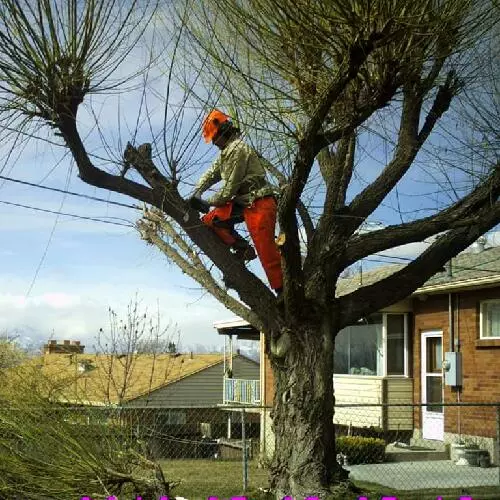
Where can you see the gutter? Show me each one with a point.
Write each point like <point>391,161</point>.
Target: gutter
<point>443,287</point>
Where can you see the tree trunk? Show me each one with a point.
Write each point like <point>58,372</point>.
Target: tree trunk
<point>305,458</point>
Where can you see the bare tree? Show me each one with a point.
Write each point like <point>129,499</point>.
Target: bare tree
<point>311,82</point>
<point>134,349</point>
<point>74,415</point>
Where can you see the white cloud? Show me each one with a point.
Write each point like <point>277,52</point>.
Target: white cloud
<point>412,250</point>
<point>49,300</point>
<point>77,315</point>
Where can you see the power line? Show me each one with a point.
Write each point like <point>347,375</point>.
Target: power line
<point>72,193</point>
<point>83,217</point>
<point>49,241</point>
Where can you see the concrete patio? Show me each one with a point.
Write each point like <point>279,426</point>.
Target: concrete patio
<point>425,475</point>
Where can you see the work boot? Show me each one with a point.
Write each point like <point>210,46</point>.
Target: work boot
<point>243,250</point>
<point>245,254</point>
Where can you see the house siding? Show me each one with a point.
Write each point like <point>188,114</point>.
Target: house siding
<point>204,388</point>
<point>481,376</point>
<point>358,390</point>
<point>399,391</point>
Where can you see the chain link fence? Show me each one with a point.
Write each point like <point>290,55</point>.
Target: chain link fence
<point>396,449</point>
<point>422,450</point>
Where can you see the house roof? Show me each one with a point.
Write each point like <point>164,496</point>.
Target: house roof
<point>468,269</point>
<point>105,379</point>
<point>238,327</point>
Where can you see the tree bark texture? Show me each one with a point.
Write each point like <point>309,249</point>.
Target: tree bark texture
<point>305,458</point>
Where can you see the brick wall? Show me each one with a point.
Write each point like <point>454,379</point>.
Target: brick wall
<point>481,369</point>
<point>481,361</point>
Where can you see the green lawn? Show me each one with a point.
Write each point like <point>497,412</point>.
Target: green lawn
<point>224,479</point>
<point>200,479</point>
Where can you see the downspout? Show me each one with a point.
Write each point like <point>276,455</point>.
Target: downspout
<point>263,411</point>
<point>451,331</point>
<point>224,372</point>
<point>451,325</point>
<point>231,354</point>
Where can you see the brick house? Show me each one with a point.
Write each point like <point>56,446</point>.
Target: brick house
<point>398,356</point>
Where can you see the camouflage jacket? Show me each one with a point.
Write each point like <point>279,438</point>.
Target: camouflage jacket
<point>243,172</point>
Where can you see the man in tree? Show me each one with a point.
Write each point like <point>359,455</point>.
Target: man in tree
<point>246,195</point>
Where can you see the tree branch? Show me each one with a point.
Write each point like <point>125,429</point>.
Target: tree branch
<point>141,159</point>
<point>410,141</point>
<point>308,144</point>
<point>318,278</point>
<point>401,284</point>
<point>361,114</point>
<point>463,213</point>
<point>165,197</point>
<point>305,217</point>
<point>292,267</point>
<point>97,177</point>
<point>339,181</point>
<point>195,269</point>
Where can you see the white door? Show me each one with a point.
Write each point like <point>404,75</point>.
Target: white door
<point>432,386</point>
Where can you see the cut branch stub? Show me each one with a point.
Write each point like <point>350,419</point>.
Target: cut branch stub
<point>140,158</point>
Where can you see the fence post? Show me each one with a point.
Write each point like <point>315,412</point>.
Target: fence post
<point>498,443</point>
<point>244,451</point>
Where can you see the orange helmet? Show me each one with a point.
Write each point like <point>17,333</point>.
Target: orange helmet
<point>212,123</point>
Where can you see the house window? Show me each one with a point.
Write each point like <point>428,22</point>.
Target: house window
<point>359,349</point>
<point>396,348</point>
<point>375,346</point>
<point>490,319</point>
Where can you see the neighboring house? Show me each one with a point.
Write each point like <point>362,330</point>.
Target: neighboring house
<point>245,392</point>
<point>174,401</point>
<point>162,380</point>
<point>181,393</point>
<point>396,356</point>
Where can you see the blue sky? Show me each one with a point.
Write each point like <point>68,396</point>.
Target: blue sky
<point>84,266</point>
<point>87,268</point>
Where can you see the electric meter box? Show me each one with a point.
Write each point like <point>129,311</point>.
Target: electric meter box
<point>452,368</point>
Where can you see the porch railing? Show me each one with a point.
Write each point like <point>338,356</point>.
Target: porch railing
<point>238,390</point>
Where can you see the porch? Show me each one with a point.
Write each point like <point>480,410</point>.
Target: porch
<point>238,391</point>
<point>241,391</point>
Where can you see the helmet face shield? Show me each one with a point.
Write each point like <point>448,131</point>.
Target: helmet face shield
<point>225,129</point>
<point>212,123</point>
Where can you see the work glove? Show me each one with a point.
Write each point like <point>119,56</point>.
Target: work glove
<point>198,204</point>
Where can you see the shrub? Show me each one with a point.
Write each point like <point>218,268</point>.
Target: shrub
<point>361,450</point>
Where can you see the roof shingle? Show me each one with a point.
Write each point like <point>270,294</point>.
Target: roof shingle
<point>465,267</point>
